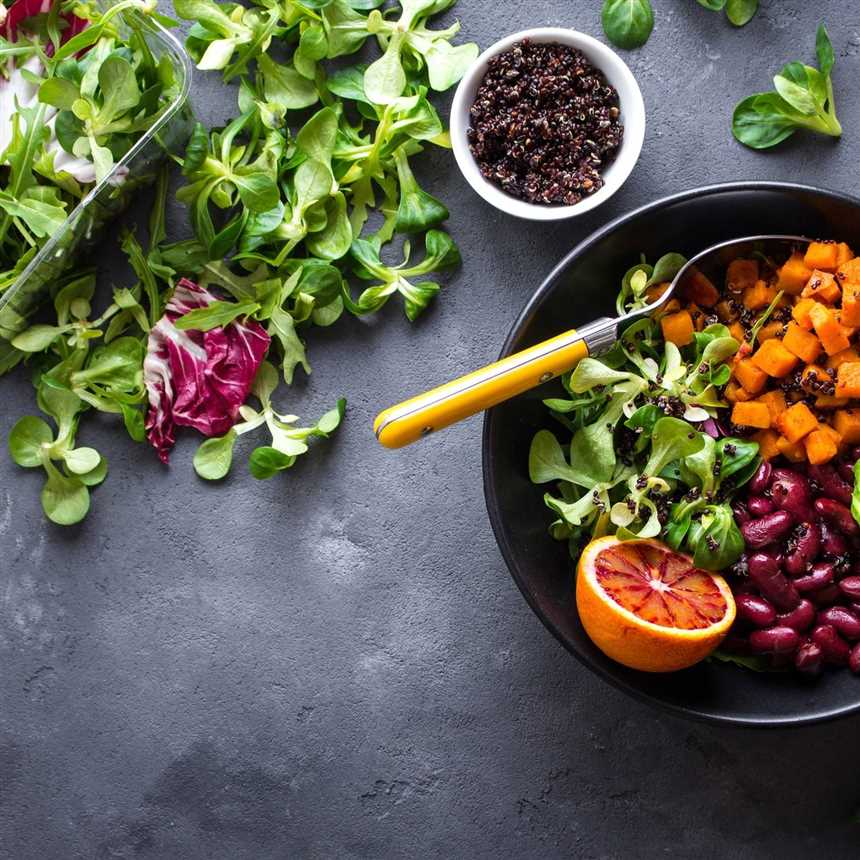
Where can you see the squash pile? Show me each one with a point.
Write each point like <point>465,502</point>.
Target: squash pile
<point>795,380</point>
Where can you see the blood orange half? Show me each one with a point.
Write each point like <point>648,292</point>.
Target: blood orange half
<point>649,607</point>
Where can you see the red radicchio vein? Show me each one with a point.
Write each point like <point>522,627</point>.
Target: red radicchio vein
<point>198,379</point>
<point>22,9</point>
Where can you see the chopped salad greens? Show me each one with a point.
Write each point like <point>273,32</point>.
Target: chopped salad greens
<point>291,204</point>
<point>638,459</point>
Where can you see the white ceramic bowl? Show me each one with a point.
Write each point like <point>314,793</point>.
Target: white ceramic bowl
<point>632,116</point>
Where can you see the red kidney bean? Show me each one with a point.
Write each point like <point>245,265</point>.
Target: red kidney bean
<point>826,596</point>
<point>755,609</point>
<point>832,542</point>
<point>742,515</point>
<point>808,658</point>
<point>800,618</point>
<point>759,506</point>
<point>774,585</point>
<point>806,545</point>
<point>820,575</point>
<point>846,622</point>
<point>790,492</point>
<point>760,481</point>
<point>846,471</point>
<point>850,587</point>
<point>854,659</point>
<point>837,515</point>
<point>767,529</point>
<point>834,649</point>
<point>774,640</point>
<point>831,483</point>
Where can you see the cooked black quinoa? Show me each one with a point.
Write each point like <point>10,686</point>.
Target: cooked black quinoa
<point>544,122</point>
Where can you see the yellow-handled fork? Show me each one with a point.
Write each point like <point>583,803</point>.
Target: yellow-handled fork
<point>408,421</point>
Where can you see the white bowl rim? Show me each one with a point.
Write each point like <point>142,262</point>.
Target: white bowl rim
<point>632,106</point>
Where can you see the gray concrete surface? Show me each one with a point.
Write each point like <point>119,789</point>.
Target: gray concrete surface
<point>336,663</point>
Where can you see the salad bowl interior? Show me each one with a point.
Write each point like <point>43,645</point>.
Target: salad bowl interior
<point>582,287</point>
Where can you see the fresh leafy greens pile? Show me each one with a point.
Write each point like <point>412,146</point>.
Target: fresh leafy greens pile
<point>290,203</point>
<point>636,463</point>
<point>82,103</point>
<point>628,23</point>
<point>803,99</point>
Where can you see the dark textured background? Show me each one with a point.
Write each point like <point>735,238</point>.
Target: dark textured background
<point>335,663</point>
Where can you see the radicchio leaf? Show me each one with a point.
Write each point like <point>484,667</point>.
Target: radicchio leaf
<point>20,10</point>
<point>198,379</point>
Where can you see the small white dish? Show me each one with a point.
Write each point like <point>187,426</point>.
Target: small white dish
<point>632,116</point>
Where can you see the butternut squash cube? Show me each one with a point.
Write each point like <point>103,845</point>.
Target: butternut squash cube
<point>793,275</point>
<point>751,414</point>
<point>822,255</point>
<point>848,379</point>
<point>758,296</point>
<point>678,328</point>
<point>767,443</point>
<point>752,378</point>
<point>792,451</point>
<point>849,354</point>
<point>823,287</point>
<point>805,345</point>
<point>800,312</point>
<point>774,359</point>
<point>847,424</point>
<point>820,447</point>
<point>796,422</point>
<point>775,402</point>
<point>828,329</point>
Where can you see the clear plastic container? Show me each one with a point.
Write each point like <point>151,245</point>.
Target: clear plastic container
<point>107,198</point>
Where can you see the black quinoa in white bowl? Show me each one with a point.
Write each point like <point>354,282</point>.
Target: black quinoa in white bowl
<point>547,124</point>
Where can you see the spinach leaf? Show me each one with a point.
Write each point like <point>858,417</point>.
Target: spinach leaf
<point>627,23</point>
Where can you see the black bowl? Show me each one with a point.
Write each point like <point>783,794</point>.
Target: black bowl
<point>582,287</point>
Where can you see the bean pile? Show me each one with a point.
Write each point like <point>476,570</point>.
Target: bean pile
<point>797,589</point>
<point>543,124</point>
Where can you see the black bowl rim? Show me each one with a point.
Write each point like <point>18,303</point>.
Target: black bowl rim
<point>492,502</point>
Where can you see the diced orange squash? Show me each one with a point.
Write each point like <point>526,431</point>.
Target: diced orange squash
<point>796,422</point>
<point>849,354</point>
<point>738,332</point>
<point>805,345</point>
<point>843,254</point>
<point>847,424</point>
<point>726,311</point>
<point>697,315</point>
<point>697,287</point>
<point>848,330</point>
<point>678,328</point>
<point>792,451</point>
<point>735,392</point>
<point>774,359</point>
<point>830,401</point>
<point>823,287</point>
<point>851,303</point>
<point>820,447</point>
<point>751,414</point>
<point>800,312</point>
<point>793,275</point>
<point>822,255</point>
<point>832,432</point>
<point>752,378</point>
<point>741,274</point>
<point>828,329</point>
<point>848,379</point>
<point>671,307</point>
<point>655,291</point>
<point>849,271</point>
<point>758,296</point>
<point>775,402</point>
<point>769,330</point>
<point>767,443</point>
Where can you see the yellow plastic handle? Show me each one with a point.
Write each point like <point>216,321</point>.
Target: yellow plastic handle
<point>409,421</point>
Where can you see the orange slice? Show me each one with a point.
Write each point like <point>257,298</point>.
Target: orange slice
<point>648,607</point>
